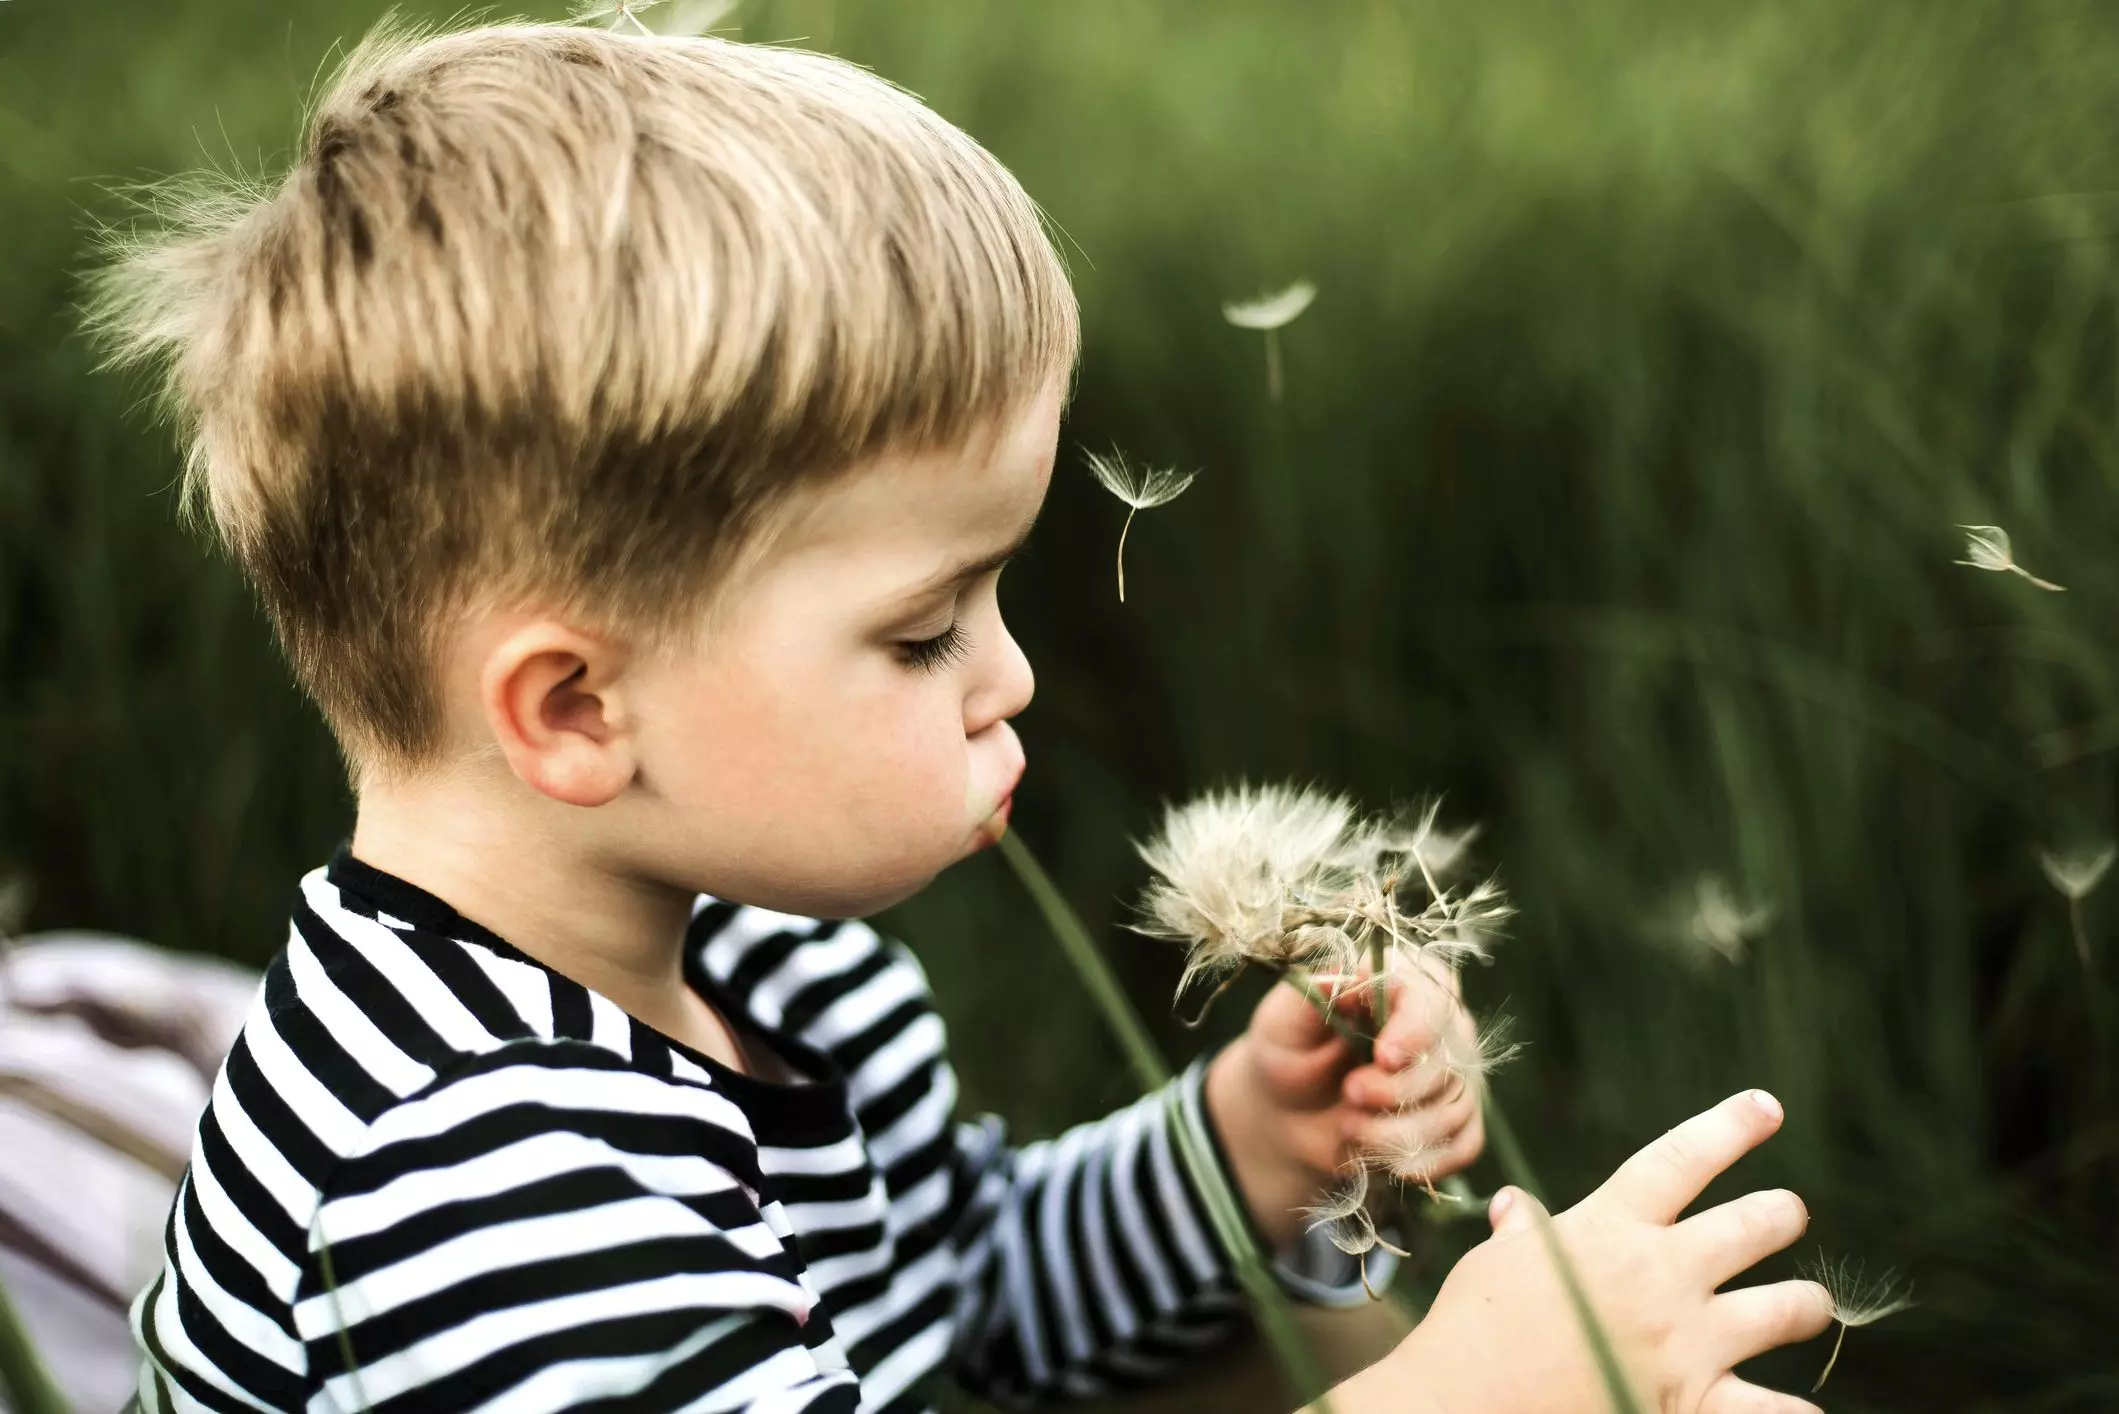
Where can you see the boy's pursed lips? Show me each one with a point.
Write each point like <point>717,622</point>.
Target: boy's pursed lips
<point>995,824</point>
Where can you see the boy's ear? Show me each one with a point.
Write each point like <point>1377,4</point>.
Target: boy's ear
<point>551,699</point>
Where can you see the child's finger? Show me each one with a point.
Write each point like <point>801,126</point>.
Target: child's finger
<point>1425,1014</point>
<point>1730,1395</point>
<point>1379,1087</point>
<point>1743,1232</point>
<point>1412,1031</point>
<point>1513,1210</point>
<point>1285,1018</point>
<point>1423,1144</point>
<point>1661,1180</point>
<point>1752,1320</point>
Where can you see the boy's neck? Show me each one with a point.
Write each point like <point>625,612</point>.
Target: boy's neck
<point>514,872</point>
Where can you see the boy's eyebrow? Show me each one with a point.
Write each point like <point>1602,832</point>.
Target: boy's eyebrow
<point>972,569</point>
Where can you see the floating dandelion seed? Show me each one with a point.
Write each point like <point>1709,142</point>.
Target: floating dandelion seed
<point>1492,1046</point>
<point>1272,311</point>
<point>1857,1300</point>
<point>683,18</point>
<point>1706,922</point>
<point>1268,314</point>
<point>1141,489</point>
<point>1349,1225</point>
<point>1720,924</point>
<point>2076,873</point>
<point>1987,548</point>
<point>1409,1160</point>
<point>615,13</point>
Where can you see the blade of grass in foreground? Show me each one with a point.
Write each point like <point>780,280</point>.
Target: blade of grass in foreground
<point>27,1382</point>
<point>1224,1208</point>
<point>1516,1165</point>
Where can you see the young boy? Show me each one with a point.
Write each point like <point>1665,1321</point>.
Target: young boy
<point>625,436</point>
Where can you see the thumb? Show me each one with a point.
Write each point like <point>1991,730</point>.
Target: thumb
<point>1285,1018</point>
<point>1513,1210</point>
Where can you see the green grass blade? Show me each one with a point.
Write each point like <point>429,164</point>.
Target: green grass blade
<point>23,1375</point>
<point>1269,1304</point>
<point>1516,1164</point>
<point>1149,1067</point>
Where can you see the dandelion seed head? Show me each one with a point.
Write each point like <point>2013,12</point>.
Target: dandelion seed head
<point>1987,547</point>
<point>1281,877</point>
<point>1227,864</point>
<point>2077,872</point>
<point>1275,310</point>
<point>1410,838</point>
<point>1142,488</point>
<point>1857,1298</point>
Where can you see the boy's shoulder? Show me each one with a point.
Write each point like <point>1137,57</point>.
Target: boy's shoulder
<point>411,1099</point>
<point>823,983</point>
<point>389,982</point>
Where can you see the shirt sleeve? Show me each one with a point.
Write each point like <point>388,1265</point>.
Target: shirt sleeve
<point>1089,1264</point>
<point>549,1230</point>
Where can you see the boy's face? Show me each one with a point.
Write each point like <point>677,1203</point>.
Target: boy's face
<point>842,734</point>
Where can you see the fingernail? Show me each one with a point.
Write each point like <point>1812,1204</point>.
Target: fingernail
<point>1390,1057</point>
<point>1766,1102</point>
<point>1503,1201</point>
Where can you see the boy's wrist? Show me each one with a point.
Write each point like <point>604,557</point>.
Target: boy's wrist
<point>1406,1381</point>
<point>1274,1184</point>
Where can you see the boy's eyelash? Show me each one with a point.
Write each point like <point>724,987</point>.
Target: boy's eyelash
<point>934,654</point>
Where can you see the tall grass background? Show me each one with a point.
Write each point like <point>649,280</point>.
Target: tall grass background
<point>1660,350</point>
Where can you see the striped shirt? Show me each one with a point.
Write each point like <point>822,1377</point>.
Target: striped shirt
<point>436,1175</point>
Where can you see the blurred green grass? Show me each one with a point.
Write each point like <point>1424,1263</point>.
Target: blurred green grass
<point>1660,350</point>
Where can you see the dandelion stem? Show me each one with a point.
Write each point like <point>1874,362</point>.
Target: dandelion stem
<point>23,1375</point>
<point>1307,986</point>
<point>1517,1166</point>
<point>2081,932</point>
<point>1131,511</point>
<point>1199,1019</point>
<point>1380,995</point>
<point>1225,1210</point>
<point>2041,583</point>
<point>1840,1340</point>
<point>1273,364</point>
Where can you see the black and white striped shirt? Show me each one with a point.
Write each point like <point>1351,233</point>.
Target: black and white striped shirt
<point>436,1175</point>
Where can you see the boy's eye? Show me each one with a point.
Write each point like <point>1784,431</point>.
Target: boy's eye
<point>934,654</point>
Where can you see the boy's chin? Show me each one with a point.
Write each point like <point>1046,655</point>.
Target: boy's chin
<point>870,898</point>
<point>883,884</point>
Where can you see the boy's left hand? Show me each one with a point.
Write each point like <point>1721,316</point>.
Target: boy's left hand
<point>1293,1104</point>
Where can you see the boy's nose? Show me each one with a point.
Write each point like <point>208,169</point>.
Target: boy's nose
<point>1005,692</point>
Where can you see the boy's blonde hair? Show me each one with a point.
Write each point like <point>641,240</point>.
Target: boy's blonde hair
<point>545,313</point>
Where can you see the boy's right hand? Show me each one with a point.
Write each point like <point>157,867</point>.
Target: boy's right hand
<point>1502,1337</point>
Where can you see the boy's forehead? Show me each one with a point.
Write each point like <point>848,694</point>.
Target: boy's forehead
<point>988,487</point>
